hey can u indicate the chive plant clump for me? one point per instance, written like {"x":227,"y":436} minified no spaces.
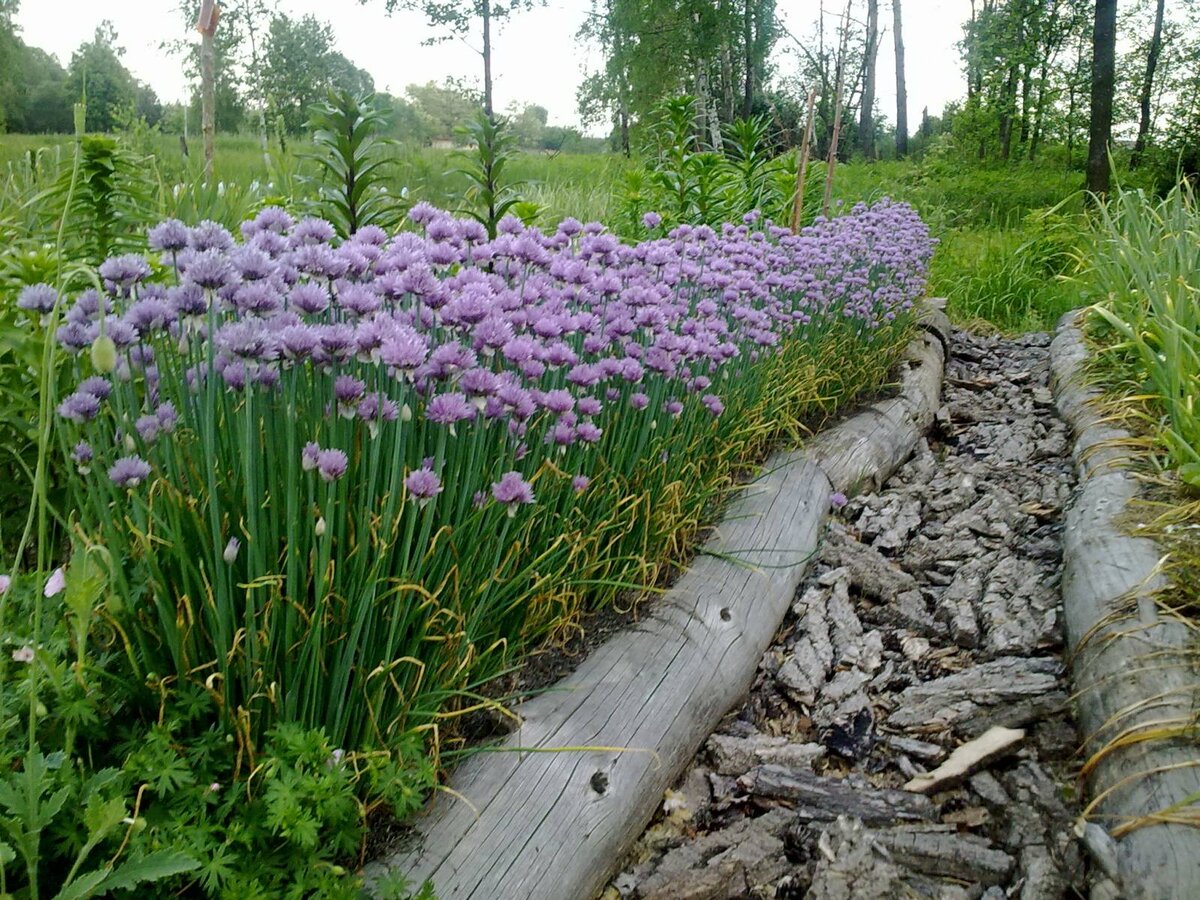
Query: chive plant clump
{"x":340,"y":482}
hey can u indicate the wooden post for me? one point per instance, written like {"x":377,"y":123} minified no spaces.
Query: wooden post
{"x":802,"y":165}
{"x":837,"y":112}
{"x":206,"y":24}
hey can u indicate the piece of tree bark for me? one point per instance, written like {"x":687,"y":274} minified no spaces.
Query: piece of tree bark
{"x":815,"y":798}
{"x":963,"y":857}
{"x":966,"y":758}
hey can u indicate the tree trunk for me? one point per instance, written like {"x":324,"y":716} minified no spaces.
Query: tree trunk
{"x":901,"y":84}
{"x":748,"y":40}
{"x":866,"y":122}
{"x":486,"y":12}
{"x":1026,"y":97}
{"x":1008,"y":112}
{"x":262,"y":99}
{"x":1139,"y":145}
{"x":1104,"y":54}
{"x":207,"y":26}
{"x":1039,"y":114}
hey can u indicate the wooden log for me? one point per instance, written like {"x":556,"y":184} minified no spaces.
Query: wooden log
{"x":1132,"y":663}
{"x":863,"y":452}
{"x":575,"y":785}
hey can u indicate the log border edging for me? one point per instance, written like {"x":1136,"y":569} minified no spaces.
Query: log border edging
{"x":1130,"y":661}
{"x":555,"y":825}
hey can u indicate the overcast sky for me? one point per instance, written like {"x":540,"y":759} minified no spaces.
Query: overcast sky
{"x":537,"y":59}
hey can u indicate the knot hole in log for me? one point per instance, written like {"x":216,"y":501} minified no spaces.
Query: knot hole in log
{"x":726,"y":615}
{"x":599,"y":782}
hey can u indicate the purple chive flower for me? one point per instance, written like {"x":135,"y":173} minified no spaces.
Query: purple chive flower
{"x":169,"y":236}
{"x":167,"y":416}
{"x":310,"y":456}
{"x":309,"y":298}
{"x":651,"y":220}
{"x":558,"y":401}
{"x":83,"y":455}
{"x":5,"y":583}
{"x":79,"y":407}
{"x":125,"y":271}
{"x":639,"y":400}
{"x":128,"y":472}
{"x":714,"y":404}
{"x":209,"y":235}
{"x":588,"y":432}
{"x":580,"y":483}
{"x":347,"y":389}
{"x":447,"y":409}
{"x":96,"y":386}
{"x":512,"y":490}
{"x":147,"y":427}
{"x":332,"y":464}
{"x":38,"y":298}
{"x":23,"y":654}
{"x":837,"y":500}
{"x":423,"y":485}
{"x":207,"y":269}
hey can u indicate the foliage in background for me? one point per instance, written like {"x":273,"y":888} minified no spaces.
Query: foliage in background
{"x":684,"y":180}
{"x":1142,"y":269}
{"x":354,"y":161}
{"x":491,"y":193}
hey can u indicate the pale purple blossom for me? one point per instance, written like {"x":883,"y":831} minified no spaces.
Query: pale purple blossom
{"x":423,"y":484}
{"x":38,"y":298}
{"x":512,"y":490}
{"x":332,"y":464}
{"x":129,"y":471}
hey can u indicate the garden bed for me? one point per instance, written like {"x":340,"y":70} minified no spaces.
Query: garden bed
{"x":551,"y":811}
{"x":322,"y":491}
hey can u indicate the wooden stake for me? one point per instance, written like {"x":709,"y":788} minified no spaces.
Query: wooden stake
{"x":837,"y":114}
{"x":206,"y":24}
{"x":802,"y":167}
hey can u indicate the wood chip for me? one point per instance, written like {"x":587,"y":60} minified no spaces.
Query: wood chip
{"x":967,"y":758}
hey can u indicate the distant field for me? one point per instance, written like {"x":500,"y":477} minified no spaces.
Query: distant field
{"x":580,"y":185}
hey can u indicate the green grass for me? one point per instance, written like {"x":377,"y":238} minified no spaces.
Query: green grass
{"x":1007,"y":234}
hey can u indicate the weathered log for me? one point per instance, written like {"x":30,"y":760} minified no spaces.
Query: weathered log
{"x":1131,"y":662}
{"x":584,"y":773}
{"x":861,"y":453}
{"x":819,"y":799}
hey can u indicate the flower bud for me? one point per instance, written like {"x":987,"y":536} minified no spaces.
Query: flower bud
{"x":319,"y":528}
{"x":231,"y":550}
{"x":104,"y":354}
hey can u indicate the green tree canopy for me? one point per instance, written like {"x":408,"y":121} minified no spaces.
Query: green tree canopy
{"x":300,"y":67}
{"x":97,"y":71}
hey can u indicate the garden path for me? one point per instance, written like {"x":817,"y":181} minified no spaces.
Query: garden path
{"x":932,"y":616}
